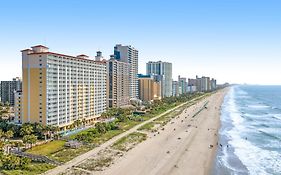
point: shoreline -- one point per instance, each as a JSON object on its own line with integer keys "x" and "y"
{"x": 183, "y": 139}
{"x": 212, "y": 166}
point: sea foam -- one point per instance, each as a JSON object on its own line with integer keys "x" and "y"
{"x": 253, "y": 155}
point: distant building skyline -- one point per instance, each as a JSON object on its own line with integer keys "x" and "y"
{"x": 58, "y": 89}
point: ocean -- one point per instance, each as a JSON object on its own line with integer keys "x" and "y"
{"x": 250, "y": 133}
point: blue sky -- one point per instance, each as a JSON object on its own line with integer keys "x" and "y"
{"x": 237, "y": 41}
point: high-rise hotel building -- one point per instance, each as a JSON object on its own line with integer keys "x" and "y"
{"x": 59, "y": 89}
{"x": 129, "y": 54}
{"x": 149, "y": 88}
{"x": 7, "y": 90}
{"x": 18, "y": 106}
{"x": 118, "y": 91}
{"x": 162, "y": 70}
{"x": 182, "y": 85}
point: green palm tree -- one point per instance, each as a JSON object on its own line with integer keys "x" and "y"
{"x": 38, "y": 129}
{"x": 49, "y": 129}
{"x": 29, "y": 140}
{"x": 9, "y": 134}
{"x": 71, "y": 126}
{"x": 46, "y": 132}
{"x": 55, "y": 130}
{"x": 2, "y": 146}
{"x": 1, "y": 134}
{"x": 84, "y": 121}
{"x": 77, "y": 123}
{"x": 25, "y": 140}
{"x": 32, "y": 139}
{"x": 26, "y": 130}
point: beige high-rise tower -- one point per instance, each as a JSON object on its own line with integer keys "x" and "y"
{"x": 59, "y": 89}
{"x": 118, "y": 83}
{"x": 149, "y": 89}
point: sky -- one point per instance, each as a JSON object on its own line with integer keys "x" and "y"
{"x": 235, "y": 41}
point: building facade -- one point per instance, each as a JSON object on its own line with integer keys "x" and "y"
{"x": 182, "y": 85}
{"x": 59, "y": 89}
{"x": 175, "y": 88}
{"x": 164, "y": 72}
{"x": 191, "y": 89}
{"x": 129, "y": 54}
{"x": 18, "y": 107}
{"x": 213, "y": 84}
{"x": 8, "y": 88}
{"x": 149, "y": 88}
{"x": 118, "y": 83}
{"x": 192, "y": 82}
{"x": 205, "y": 84}
{"x": 192, "y": 85}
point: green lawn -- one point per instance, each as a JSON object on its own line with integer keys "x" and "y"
{"x": 72, "y": 136}
{"x": 32, "y": 169}
{"x": 48, "y": 148}
{"x": 107, "y": 136}
{"x": 128, "y": 124}
{"x": 68, "y": 154}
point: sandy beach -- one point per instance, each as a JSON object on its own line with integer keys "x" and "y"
{"x": 187, "y": 145}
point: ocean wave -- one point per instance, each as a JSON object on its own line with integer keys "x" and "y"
{"x": 264, "y": 125}
{"x": 240, "y": 92}
{"x": 262, "y": 119}
{"x": 275, "y": 108}
{"x": 272, "y": 145}
{"x": 271, "y": 132}
{"x": 276, "y": 116}
{"x": 256, "y": 159}
{"x": 233, "y": 111}
{"x": 224, "y": 160}
{"x": 258, "y": 106}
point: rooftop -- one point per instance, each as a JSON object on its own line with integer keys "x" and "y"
{"x": 80, "y": 57}
{"x": 40, "y": 46}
